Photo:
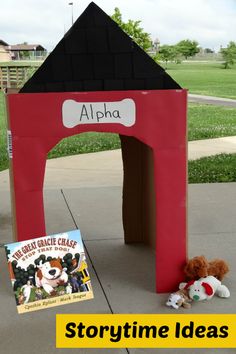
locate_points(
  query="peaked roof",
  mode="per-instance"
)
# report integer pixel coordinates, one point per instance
(96, 55)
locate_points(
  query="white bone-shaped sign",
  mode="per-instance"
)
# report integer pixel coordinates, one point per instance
(75, 113)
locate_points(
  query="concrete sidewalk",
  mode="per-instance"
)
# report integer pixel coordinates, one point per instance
(211, 147)
(217, 101)
(123, 276)
(85, 192)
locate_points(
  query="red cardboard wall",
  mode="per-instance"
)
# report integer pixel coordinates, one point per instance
(35, 121)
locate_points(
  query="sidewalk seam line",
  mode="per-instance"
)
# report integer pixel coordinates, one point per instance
(74, 221)
(103, 290)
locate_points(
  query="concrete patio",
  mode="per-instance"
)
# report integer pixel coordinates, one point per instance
(88, 196)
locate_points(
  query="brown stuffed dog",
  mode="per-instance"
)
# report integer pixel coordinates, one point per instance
(199, 267)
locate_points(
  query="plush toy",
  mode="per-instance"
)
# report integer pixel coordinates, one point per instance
(199, 267)
(178, 299)
(205, 288)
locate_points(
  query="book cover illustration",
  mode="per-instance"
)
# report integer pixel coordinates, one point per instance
(48, 271)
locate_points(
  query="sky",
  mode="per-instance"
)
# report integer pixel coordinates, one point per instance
(211, 22)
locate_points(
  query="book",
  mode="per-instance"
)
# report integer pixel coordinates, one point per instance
(48, 271)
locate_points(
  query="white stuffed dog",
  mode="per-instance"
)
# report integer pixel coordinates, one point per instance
(205, 288)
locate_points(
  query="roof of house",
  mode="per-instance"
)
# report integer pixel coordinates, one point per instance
(25, 47)
(3, 43)
(96, 55)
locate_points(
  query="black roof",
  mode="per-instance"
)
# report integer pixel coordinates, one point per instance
(96, 55)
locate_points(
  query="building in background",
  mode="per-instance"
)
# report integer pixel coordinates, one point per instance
(5, 55)
(28, 52)
(21, 52)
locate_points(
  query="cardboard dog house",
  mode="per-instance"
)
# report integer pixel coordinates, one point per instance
(98, 79)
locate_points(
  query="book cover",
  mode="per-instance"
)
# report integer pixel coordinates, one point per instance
(48, 271)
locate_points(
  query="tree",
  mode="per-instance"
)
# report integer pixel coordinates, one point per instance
(167, 53)
(188, 48)
(133, 29)
(229, 54)
(208, 51)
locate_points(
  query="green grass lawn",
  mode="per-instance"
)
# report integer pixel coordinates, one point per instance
(206, 121)
(84, 143)
(215, 169)
(22, 63)
(205, 78)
